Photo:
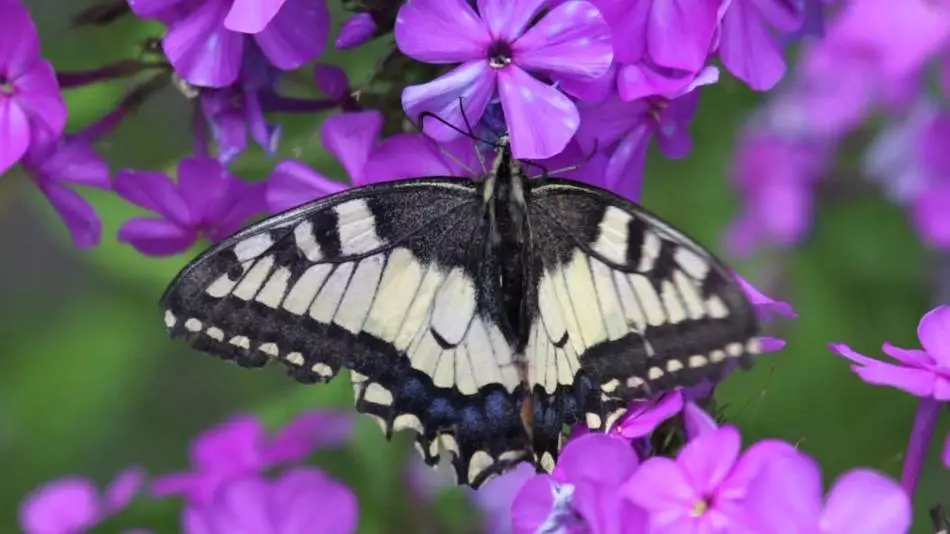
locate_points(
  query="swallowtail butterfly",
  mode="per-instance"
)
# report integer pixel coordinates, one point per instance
(485, 316)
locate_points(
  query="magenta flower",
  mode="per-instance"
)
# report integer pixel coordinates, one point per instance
(624, 130)
(206, 202)
(32, 110)
(748, 48)
(496, 48)
(355, 31)
(584, 493)
(241, 447)
(353, 139)
(704, 488)
(73, 504)
(206, 39)
(301, 501)
(496, 498)
(786, 498)
(765, 306)
(58, 166)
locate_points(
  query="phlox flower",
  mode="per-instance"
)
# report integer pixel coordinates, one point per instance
(353, 139)
(704, 488)
(32, 110)
(496, 498)
(765, 306)
(241, 447)
(207, 39)
(73, 504)
(496, 49)
(207, 201)
(357, 29)
(303, 500)
(748, 47)
(786, 498)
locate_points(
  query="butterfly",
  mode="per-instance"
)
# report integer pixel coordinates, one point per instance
(484, 315)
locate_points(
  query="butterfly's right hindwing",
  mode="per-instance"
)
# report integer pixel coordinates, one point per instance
(387, 281)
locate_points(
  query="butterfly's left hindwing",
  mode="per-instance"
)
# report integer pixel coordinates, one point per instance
(393, 282)
(623, 306)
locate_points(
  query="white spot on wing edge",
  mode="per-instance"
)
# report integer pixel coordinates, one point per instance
(253, 246)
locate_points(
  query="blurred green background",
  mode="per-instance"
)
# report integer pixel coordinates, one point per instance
(89, 383)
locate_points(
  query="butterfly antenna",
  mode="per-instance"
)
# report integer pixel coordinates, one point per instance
(576, 166)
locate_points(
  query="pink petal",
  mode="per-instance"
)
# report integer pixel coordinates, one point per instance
(697, 421)
(586, 459)
(914, 381)
(759, 455)
(786, 496)
(644, 417)
(507, 19)
(660, 485)
(389, 160)
(153, 191)
(624, 172)
(532, 504)
(337, 513)
(293, 183)
(65, 505)
(783, 15)
(235, 444)
(572, 40)
(641, 79)
(441, 31)
(708, 458)
(865, 502)
(680, 32)
(541, 120)
(80, 217)
(591, 90)
(202, 50)
(251, 16)
(37, 92)
(472, 84)
(283, 42)
(156, 237)
(747, 48)
(14, 133)
(909, 357)
(242, 507)
(765, 306)
(76, 162)
(19, 41)
(945, 454)
(357, 29)
(934, 334)
(496, 498)
(123, 489)
(931, 217)
(203, 184)
(350, 137)
(332, 81)
(628, 24)
(146, 9)
(307, 433)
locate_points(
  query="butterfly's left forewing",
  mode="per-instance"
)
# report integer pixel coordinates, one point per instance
(624, 306)
(393, 282)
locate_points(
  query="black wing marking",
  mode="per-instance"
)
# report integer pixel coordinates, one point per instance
(625, 307)
(390, 281)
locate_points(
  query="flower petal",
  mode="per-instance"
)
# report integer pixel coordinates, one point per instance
(156, 237)
(541, 120)
(697, 421)
(931, 217)
(533, 504)
(496, 498)
(709, 457)
(153, 191)
(337, 513)
(934, 334)
(659, 485)
(265, 135)
(766, 307)
(308, 432)
(76, 162)
(242, 507)
(65, 505)
(786, 496)
(628, 25)
(80, 217)
(865, 502)
(680, 32)
(283, 42)
(642, 79)
(19, 41)
(914, 381)
(909, 357)
(593, 91)
(505, 19)
(236, 443)
(472, 84)
(293, 183)
(202, 51)
(14, 133)
(747, 48)
(596, 458)
(251, 16)
(644, 416)
(572, 40)
(624, 172)
(332, 81)
(762, 453)
(123, 488)
(784, 15)
(37, 93)
(350, 137)
(145, 9)
(357, 29)
(441, 31)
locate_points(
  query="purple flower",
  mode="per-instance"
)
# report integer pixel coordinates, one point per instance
(924, 373)
(624, 130)
(58, 166)
(205, 47)
(945, 454)
(704, 488)
(207, 201)
(786, 498)
(766, 307)
(496, 48)
(353, 139)
(355, 31)
(584, 493)
(748, 48)
(496, 498)
(301, 501)
(32, 110)
(241, 447)
(74, 504)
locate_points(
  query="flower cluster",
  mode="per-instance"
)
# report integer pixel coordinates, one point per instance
(584, 85)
